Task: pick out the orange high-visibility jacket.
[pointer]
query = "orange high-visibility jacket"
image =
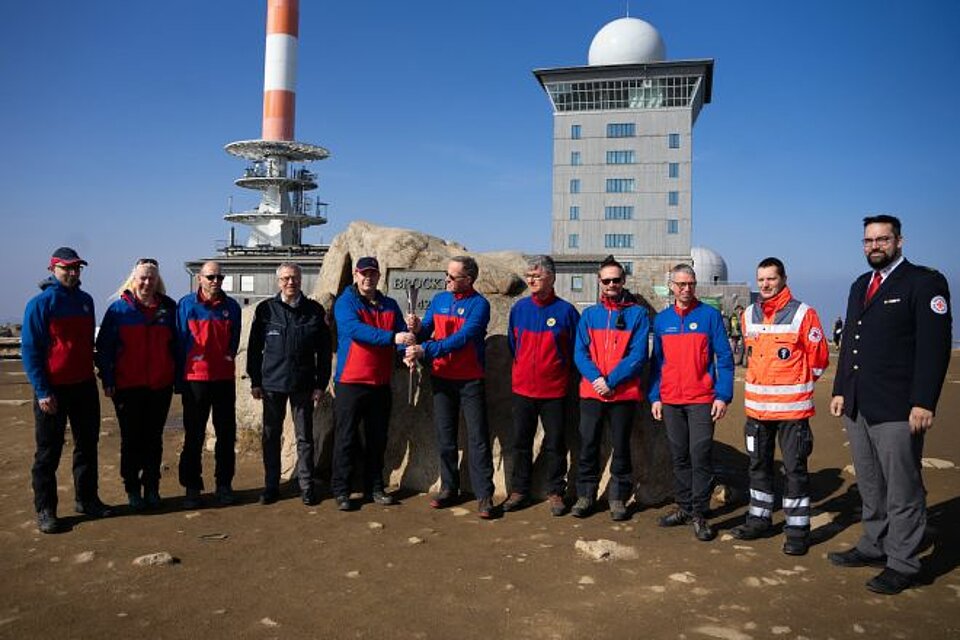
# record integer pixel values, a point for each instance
(786, 353)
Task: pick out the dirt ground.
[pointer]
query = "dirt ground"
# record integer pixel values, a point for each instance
(289, 571)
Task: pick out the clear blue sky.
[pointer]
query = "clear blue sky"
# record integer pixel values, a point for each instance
(116, 113)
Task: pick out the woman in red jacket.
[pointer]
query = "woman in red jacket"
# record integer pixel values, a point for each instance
(135, 356)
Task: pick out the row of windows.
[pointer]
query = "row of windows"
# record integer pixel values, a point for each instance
(624, 130)
(624, 212)
(637, 93)
(625, 185)
(624, 157)
(619, 240)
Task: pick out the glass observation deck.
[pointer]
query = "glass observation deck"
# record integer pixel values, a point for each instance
(662, 92)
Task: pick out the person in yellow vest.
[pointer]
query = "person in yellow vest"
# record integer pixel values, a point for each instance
(786, 353)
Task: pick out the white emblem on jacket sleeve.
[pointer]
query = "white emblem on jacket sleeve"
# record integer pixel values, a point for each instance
(939, 305)
(815, 335)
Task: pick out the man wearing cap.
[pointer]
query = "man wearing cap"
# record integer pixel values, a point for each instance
(370, 327)
(288, 360)
(453, 330)
(208, 332)
(57, 351)
(893, 360)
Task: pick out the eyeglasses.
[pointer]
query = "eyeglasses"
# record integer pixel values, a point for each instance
(213, 276)
(684, 285)
(535, 277)
(881, 241)
(450, 276)
(288, 278)
(611, 280)
(152, 261)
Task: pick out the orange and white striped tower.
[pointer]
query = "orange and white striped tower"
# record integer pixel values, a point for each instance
(284, 209)
(280, 69)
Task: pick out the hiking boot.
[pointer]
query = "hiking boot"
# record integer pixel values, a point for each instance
(516, 501)
(796, 545)
(446, 498)
(269, 496)
(383, 499)
(309, 498)
(675, 518)
(855, 558)
(890, 582)
(557, 506)
(152, 498)
(702, 529)
(136, 501)
(344, 503)
(751, 530)
(192, 499)
(618, 511)
(93, 508)
(48, 522)
(224, 495)
(582, 508)
(485, 508)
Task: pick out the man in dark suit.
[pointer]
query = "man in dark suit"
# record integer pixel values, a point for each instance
(893, 360)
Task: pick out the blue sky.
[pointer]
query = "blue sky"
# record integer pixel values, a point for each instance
(822, 112)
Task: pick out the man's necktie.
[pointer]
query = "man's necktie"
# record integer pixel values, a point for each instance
(874, 285)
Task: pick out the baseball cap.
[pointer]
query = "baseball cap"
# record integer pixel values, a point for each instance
(367, 263)
(66, 256)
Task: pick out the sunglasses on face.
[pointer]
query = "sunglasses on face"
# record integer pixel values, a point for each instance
(213, 277)
(152, 261)
(611, 280)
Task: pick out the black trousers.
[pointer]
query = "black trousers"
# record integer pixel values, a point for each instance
(526, 412)
(142, 413)
(620, 416)
(690, 432)
(199, 398)
(354, 403)
(448, 397)
(274, 412)
(796, 444)
(79, 403)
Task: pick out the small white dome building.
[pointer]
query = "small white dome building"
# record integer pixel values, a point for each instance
(710, 266)
(626, 41)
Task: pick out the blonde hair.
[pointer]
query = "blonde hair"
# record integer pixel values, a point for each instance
(128, 283)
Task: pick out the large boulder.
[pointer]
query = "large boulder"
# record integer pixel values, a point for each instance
(411, 458)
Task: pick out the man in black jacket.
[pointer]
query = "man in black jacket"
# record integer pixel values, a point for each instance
(288, 359)
(893, 360)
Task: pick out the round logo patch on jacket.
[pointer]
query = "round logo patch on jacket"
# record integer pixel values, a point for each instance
(939, 305)
(783, 353)
(815, 335)
(551, 322)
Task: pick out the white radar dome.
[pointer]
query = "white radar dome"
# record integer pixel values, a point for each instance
(626, 41)
(709, 265)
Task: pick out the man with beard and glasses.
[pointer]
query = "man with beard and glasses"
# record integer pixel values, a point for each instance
(893, 360)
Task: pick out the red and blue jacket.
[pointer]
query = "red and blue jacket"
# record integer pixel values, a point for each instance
(541, 336)
(457, 324)
(57, 338)
(692, 362)
(137, 345)
(208, 336)
(366, 351)
(612, 343)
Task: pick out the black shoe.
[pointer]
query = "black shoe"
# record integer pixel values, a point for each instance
(516, 501)
(751, 530)
(224, 495)
(618, 511)
(582, 508)
(854, 558)
(344, 503)
(796, 546)
(485, 509)
(269, 496)
(446, 498)
(702, 529)
(309, 498)
(48, 522)
(93, 508)
(135, 501)
(890, 582)
(383, 499)
(192, 499)
(557, 506)
(151, 498)
(676, 518)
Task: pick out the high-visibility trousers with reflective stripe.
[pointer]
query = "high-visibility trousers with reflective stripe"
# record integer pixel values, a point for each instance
(796, 443)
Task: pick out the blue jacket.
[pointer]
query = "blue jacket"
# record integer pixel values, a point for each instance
(540, 336)
(208, 334)
(458, 326)
(612, 342)
(365, 337)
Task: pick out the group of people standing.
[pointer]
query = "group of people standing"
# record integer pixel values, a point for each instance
(890, 372)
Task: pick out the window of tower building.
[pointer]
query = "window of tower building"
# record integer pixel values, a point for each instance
(227, 283)
(620, 185)
(621, 130)
(575, 158)
(576, 283)
(673, 198)
(246, 283)
(575, 186)
(618, 213)
(618, 241)
(634, 93)
(575, 131)
(673, 226)
(673, 170)
(673, 140)
(620, 157)
(575, 212)
(573, 241)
